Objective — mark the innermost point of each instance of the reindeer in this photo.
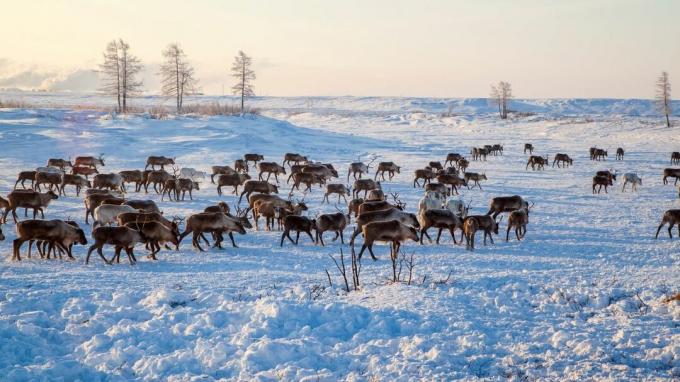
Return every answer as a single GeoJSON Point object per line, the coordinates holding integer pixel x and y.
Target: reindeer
{"type": "Point", "coordinates": [24, 176]}
{"type": "Point", "coordinates": [671, 173]}
{"type": "Point", "coordinates": [672, 217]}
{"type": "Point", "coordinates": [430, 201]}
{"type": "Point", "coordinates": [333, 222]}
{"type": "Point", "coordinates": [479, 153]}
{"type": "Point", "coordinates": [110, 181]}
{"type": "Point", "coordinates": [219, 207]}
{"type": "Point", "coordinates": [607, 173]}
{"type": "Point", "coordinates": [261, 186]}
{"type": "Point", "coordinates": [497, 149]}
{"type": "Point", "coordinates": [599, 154]}
{"type": "Point", "coordinates": [147, 206]}
{"type": "Point", "coordinates": [321, 170]}
{"type": "Point", "coordinates": [537, 161]}
{"type": "Point", "coordinates": [52, 231]}
{"type": "Point", "coordinates": [253, 158]}
{"type": "Point", "coordinates": [289, 158]}
{"type": "Point", "coordinates": [106, 214]}
{"type": "Point", "coordinates": [210, 222]}
{"type": "Point", "coordinates": [233, 180]}
{"type": "Point", "coordinates": [475, 177]}
{"type": "Point", "coordinates": [132, 176]}
{"type": "Point", "coordinates": [441, 190]}
{"type": "Point", "coordinates": [308, 179]}
{"type": "Point", "coordinates": [441, 219]}
{"type": "Point", "coordinates": [633, 179]}
{"type": "Point", "coordinates": [73, 180]}
{"type": "Point", "coordinates": [675, 157]}
{"type": "Point", "coordinates": [95, 200]}
{"type": "Point", "coordinates": [364, 185]}
{"type": "Point", "coordinates": [502, 204]}
{"type": "Point", "coordinates": [272, 208]}
{"type": "Point", "coordinates": [89, 161]}
{"type": "Point", "coordinates": [183, 185]}
{"type": "Point", "coordinates": [529, 147]}
{"type": "Point", "coordinates": [153, 234]}
{"type": "Point", "coordinates": [120, 237]}
{"type": "Point", "coordinates": [389, 167]}
{"type": "Point", "coordinates": [241, 166]}
{"type": "Point", "coordinates": [435, 165]}
{"type": "Point", "coordinates": [457, 207]}
{"type": "Point", "coordinates": [222, 170]}
{"type": "Point", "coordinates": [298, 224]}
{"type": "Point", "coordinates": [170, 188]}
{"type": "Point", "coordinates": [4, 205]}
{"type": "Point", "coordinates": [619, 153]}
{"type": "Point", "coordinates": [84, 170]}
{"type": "Point", "coordinates": [390, 230]}
{"type": "Point", "coordinates": [518, 220]}
{"type": "Point", "coordinates": [599, 180]}
{"type": "Point", "coordinates": [59, 163]}
{"type": "Point", "coordinates": [375, 195]}
{"type": "Point", "coordinates": [28, 199]}
{"type": "Point", "coordinates": [53, 180]}
{"type": "Point", "coordinates": [463, 165]}
{"type": "Point", "coordinates": [384, 215]}
{"type": "Point", "coordinates": [353, 207]}
{"type": "Point", "coordinates": [270, 168]}
{"type": "Point", "coordinates": [336, 188]}
{"type": "Point", "coordinates": [452, 158]}
{"type": "Point", "coordinates": [452, 180]}
{"type": "Point", "coordinates": [157, 177]}
{"type": "Point", "coordinates": [161, 161]}
{"type": "Point", "coordinates": [359, 168]}
{"type": "Point", "coordinates": [371, 206]}
{"type": "Point", "coordinates": [426, 174]}
{"type": "Point", "coordinates": [482, 222]}
{"type": "Point", "coordinates": [562, 158]}
{"type": "Point", "coordinates": [240, 218]}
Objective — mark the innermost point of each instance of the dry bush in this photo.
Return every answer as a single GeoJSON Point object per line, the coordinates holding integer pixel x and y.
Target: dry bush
{"type": "Point", "coordinates": [216, 108]}
{"type": "Point", "coordinates": [158, 112]}
{"type": "Point", "coordinates": [15, 104]}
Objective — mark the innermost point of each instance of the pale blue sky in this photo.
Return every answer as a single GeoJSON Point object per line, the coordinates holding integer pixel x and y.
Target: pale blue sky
{"type": "Point", "coordinates": [575, 48]}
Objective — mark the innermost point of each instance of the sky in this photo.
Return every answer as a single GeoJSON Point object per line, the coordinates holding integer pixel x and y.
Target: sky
{"type": "Point", "coordinates": [447, 48]}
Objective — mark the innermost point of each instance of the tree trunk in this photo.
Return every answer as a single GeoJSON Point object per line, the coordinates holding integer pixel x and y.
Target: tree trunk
{"type": "Point", "coordinates": [668, 121]}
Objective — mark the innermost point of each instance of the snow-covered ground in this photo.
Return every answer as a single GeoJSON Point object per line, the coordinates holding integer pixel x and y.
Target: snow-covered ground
{"type": "Point", "coordinates": [581, 298]}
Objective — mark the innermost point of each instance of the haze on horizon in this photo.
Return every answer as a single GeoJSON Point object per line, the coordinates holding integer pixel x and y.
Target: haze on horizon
{"type": "Point", "coordinates": [438, 48]}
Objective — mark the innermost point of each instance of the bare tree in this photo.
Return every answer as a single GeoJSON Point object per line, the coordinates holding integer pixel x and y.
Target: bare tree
{"type": "Point", "coordinates": [663, 96]}
{"type": "Point", "coordinates": [501, 94]}
{"type": "Point", "coordinates": [177, 75]}
{"type": "Point", "coordinates": [111, 71]}
{"type": "Point", "coordinates": [130, 66]}
{"type": "Point", "coordinates": [244, 76]}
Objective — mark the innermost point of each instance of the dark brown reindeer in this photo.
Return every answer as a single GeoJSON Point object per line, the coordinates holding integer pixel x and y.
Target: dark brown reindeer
{"type": "Point", "coordinates": [89, 161]}
{"type": "Point", "coordinates": [671, 173]}
{"type": "Point", "coordinates": [293, 158]}
{"type": "Point", "coordinates": [24, 176]}
{"type": "Point", "coordinates": [298, 224]}
{"type": "Point", "coordinates": [670, 217]}
{"type": "Point", "coordinates": [132, 176]}
{"type": "Point", "coordinates": [55, 232]}
{"type": "Point", "coordinates": [675, 157]}
{"type": "Point", "coordinates": [74, 180]}
{"type": "Point", "coordinates": [253, 158]}
{"type": "Point", "coordinates": [210, 222]}
{"type": "Point", "coordinates": [333, 222]}
{"type": "Point", "coordinates": [502, 204]}
{"type": "Point", "coordinates": [240, 165]}
{"type": "Point", "coordinates": [452, 180]}
{"type": "Point", "coordinates": [260, 186]}
{"type": "Point", "coordinates": [221, 170]}
{"type": "Point", "coordinates": [386, 167]}
{"type": "Point", "coordinates": [518, 219]}
{"type": "Point", "coordinates": [619, 153]}
{"type": "Point", "coordinates": [484, 223]}
{"type": "Point", "coordinates": [601, 181]}
{"type": "Point", "coordinates": [364, 185]}
{"type": "Point", "coordinates": [52, 180]}
{"type": "Point", "coordinates": [28, 199]}
{"type": "Point", "coordinates": [562, 158]}
{"type": "Point", "coordinates": [441, 219]}
{"type": "Point", "coordinates": [160, 161]}
{"type": "Point", "coordinates": [359, 168]}
{"type": "Point", "coordinates": [233, 180]}
{"type": "Point", "coordinates": [474, 177]}
{"type": "Point", "coordinates": [427, 174]}
{"type": "Point", "coordinates": [528, 147]}
{"type": "Point", "coordinates": [336, 188]}
{"type": "Point", "coordinates": [537, 162]}
{"type": "Point", "coordinates": [453, 158]}
{"type": "Point", "coordinates": [270, 168]}
{"type": "Point", "coordinates": [391, 231]}
{"type": "Point", "coordinates": [121, 238]}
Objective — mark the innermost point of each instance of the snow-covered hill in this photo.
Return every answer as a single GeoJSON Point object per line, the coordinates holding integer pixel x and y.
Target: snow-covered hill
{"type": "Point", "coordinates": [582, 297]}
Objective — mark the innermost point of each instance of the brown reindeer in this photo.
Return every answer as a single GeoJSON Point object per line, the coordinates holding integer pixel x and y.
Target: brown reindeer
{"type": "Point", "coordinates": [289, 158]}
{"type": "Point", "coordinates": [157, 177]}
{"type": "Point", "coordinates": [261, 186]}
{"type": "Point", "coordinates": [441, 219]}
{"type": "Point", "coordinates": [518, 219]}
{"type": "Point", "coordinates": [384, 215]}
{"type": "Point", "coordinates": [502, 204]}
{"type": "Point", "coordinates": [452, 158]}
{"type": "Point", "coordinates": [53, 180]}
{"type": "Point", "coordinates": [221, 170]}
{"type": "Point", "coordinates": [153, 234]}
{"type": "Point", "coordinates": [110, 181]}
{"type": "Point", "coordinates": [132, 176]}
{"type": "Point", "coordinates": [670, 217]}
{"type": "Point", "coordinates": [364, 185]}
{"type": "Point", "coordinates": [253, 158]}
{"type": "Point", "coordinates": [562, 158]}
{"type": "Point", "coordinates": [359, 168]}
{"type": "Point", "coordinates": [59, 163]}
{"type": "Point", "coordinates": [83, 170]}
{"type": "Point", "coordinates": [74, 180]}
{"type": "Point", "coordinates": [89, 161]}
{"type": "Point", "coordinates": [386, 167]}
{"type": "Point", "coordinates": [308, 179]}
{"type": "Point", "coordinates": [537, 162]}
{"type": "Point", "coordinates": [479, 153]}
{"type": "Point", "coordinates": [322, 170]}
{"type": "Point", "coordinates": [241, 166]}
{"type": "Point", "coordinates": [435, 165]}
{"type": "Point", "coordinates": [528, 147]}
{"type": "Point", "coordinates": [474, 177]}
{"type": "Point", "coordinates": [161, 161]}
{"type": "Point", "coordinates": [298, 224]}
{"type": "Point", "coordinates": [240, 217]}
{"type": "Point", "coordinates": [210, 222]}
{"type": "Point", "coordinates": [270, 168]}
{"type": "Point", "coordinates": [463, 165]}
{"type": "Point", "coordinates": [219, 207]}
{"type": "Point", "coordinates": [375, 195]}
{"type": "Point", "coordinates": [122, 238]}
{"type": "Point", "coordinates": [335, 188]}
{"type": "Point", "coordinates": [52, 231]}
{"type": "Point", "coordinates": [601, 181]}
{"type": "Point", "coordinates": [333, 222]}
{"type": "Point", "coordinates": [144, 205]}
{"type": "Point", "coordinates": [24, 176]}
{"type": "Point", "coordinates": [233, 180]}
{"type": "Point", "coordinates": [186, 185]}
{"type": "Point", "coordinates": [619, 153]}
{"type": "Point", "coordinates": [272, 208]}
{"type": "Point", "coordinates": [370, 206]}
{"type": "Point", "coordinates": [484, 223]}
{"type": "Point", "coordinates": [438, 188]}
{"type": "Point", "coordinates": [28, 199]}
{"type": "Point", "coordinates": [599, 154]}
{"type": "Point", "coordinates": [675, 157]}
{"type": "Point", "coordinates": [95, 200]}
{"type": "Point", "coordinates": [671, 173]}
{"type": "Point", "coordinates": [353, 207]}
{"type": "Point", "coordinates": [391, 230]}
{"type": "Point", "coordinates": [452, 180]}
{"type": "Point", "coordinates": [426, 174]}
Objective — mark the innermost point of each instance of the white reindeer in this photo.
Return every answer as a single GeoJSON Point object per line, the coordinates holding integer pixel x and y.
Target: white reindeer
{"type": "Point", "coordinates": [632, 178]}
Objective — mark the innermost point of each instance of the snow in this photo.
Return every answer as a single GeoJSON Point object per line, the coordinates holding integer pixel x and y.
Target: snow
{"type": "Point", "coordinates": [581, 298]}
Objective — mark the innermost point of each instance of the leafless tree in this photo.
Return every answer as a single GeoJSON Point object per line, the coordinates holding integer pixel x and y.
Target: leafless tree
{"type": "Point", "coordinates": [120, 70]}
{"type": "Point", "coordinates": [244, 76]}
{"type": "Point", "coordinates": [663, 96]}
{"type": "Point", "coordinates": [501, 94]}
{"type": "Point", "coordinates": [177, 75]}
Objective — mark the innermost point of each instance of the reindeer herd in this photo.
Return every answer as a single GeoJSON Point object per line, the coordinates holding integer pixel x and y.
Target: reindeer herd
{"type": "Point", "coordinates": [123, 222]}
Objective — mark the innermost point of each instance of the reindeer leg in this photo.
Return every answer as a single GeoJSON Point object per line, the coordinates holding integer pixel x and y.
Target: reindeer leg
{"type": "Point", "coordinates": [439, 234]}
{"type": "Point", "coordinates": [283, 237]}
{"type": "Point", "coordinates": [370, 250]}
{"type": "Point", "coordinates": [297, 238]}
{"type": "Point", "coordinates": [670, 229]}
{"type": "Point", "coordinates": [453, 236]}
